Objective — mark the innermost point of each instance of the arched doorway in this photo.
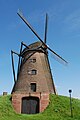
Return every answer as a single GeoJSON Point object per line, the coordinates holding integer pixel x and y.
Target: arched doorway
{"type": "Point", "coordinates": [30, 105]}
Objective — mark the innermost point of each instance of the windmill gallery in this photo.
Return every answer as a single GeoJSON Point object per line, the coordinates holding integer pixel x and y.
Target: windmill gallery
{"type": "Point", "coordinates": [34, 82]}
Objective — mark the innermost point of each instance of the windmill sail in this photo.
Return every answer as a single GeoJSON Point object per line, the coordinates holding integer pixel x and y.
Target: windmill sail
{"type": "Point", "coordinates": [26, 22]}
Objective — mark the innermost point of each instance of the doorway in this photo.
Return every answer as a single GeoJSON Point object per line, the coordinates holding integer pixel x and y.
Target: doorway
{"type": "Point", "coordinates": [30, 105]}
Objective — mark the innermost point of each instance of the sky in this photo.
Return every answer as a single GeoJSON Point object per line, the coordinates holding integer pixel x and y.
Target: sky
{"type": "Point", "coordinates": [63, 37]}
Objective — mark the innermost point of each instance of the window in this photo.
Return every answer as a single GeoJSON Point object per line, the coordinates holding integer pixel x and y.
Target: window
{"type": "Point", "coordinates": [32, 72]}
{"type": "Point", "coordinates": [33, 87]}
{"type": "Point", "coordinates": [33, 60]}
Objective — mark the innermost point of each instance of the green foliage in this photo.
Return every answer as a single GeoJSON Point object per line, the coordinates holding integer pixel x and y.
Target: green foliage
{"type": "Point", "coordinates": [58, 109]}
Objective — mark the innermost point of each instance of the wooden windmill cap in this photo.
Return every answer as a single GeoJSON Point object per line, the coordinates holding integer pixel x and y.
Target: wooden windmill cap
{"type": "Point", "coordinates": [34, 45]}
{"type": "Point", "coordinates": [37, 46]}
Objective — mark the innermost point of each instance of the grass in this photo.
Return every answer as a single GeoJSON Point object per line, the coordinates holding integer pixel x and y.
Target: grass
{"type": "Point", "coordinates": [58, 109]}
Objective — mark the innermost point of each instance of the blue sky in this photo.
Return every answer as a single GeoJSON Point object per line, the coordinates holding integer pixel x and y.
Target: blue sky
{"type": "Point", "coordinates": [63, 37]}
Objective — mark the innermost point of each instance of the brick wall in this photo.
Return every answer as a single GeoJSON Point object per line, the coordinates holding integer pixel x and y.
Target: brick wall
{"type": "Point", "coordinates": [42, 79]}
{"type": "Point", "coordinates": [17, 100]}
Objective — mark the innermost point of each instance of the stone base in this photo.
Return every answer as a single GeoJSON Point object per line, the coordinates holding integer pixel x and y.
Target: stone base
{"type": "Point", "coordinates": [17, 100]}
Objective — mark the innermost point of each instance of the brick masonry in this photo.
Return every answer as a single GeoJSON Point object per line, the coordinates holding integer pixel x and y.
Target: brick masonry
{"type": "Point", "coordinates": [17, 100]}
{"type": "Point", "coordinates": [43, 79]}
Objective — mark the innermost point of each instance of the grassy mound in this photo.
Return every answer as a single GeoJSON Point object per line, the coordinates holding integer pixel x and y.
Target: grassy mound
{"type": "Point", "coordinates": [58, 109]}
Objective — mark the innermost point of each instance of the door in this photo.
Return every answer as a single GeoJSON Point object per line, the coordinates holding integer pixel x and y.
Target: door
{"type": "Point", "coordinates": [30, 105]}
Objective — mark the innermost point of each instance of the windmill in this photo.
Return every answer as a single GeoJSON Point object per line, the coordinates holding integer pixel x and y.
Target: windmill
{"type": "Point", "coordinates": [34, 80]}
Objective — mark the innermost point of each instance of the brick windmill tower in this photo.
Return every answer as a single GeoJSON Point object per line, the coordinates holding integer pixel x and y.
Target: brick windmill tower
{"type": "Point", "coordinates": [30, 94]}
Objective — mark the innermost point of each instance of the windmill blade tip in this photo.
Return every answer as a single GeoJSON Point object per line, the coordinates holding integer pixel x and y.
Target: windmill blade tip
{"type": "Point", "coordinates": [66, 63]}
{"type": "Point", "coordinates": [19, 12]}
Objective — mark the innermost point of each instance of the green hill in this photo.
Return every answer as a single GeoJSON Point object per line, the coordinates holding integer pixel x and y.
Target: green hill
{"type": "Point", "coordinates": [58, 109]}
